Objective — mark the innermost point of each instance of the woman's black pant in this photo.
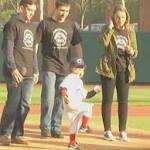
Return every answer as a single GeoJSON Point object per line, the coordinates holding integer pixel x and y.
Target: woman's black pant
{"type": "Point", "coordinates": [122, 89]}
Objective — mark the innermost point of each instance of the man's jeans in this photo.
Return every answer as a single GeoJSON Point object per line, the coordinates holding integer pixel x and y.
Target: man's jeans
{"type": "Point", "coordinates": [16, 107]}
{"type": "Point", "coordinates": [51, 102]}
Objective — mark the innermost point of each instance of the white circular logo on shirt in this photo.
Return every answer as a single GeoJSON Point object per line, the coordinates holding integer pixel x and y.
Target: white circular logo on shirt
{"type": "Point", "coordinates": [28, 38]}
{"type": "Point", "coordinates": [59, 37]}
{"type": "Point", "coordinates": [121, 42]}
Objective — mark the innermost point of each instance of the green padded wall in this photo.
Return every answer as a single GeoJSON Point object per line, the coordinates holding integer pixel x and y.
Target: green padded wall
{"type": "Point", "coordinates": [92, 51]}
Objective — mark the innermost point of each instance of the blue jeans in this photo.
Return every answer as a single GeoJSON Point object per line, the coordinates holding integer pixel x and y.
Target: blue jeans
{"type": "Point", "coordinates": [16, 107]}
{"type": "Point", "coordinates": [51, 102]}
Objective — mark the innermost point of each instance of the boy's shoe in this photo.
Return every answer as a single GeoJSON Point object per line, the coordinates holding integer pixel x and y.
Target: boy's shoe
{"type": "Point", "coordinates": [5, 140]}
{"type": "Point", "coordinates": [123, 136]}
{"type": "Point", "coordinates": [86, 129]}
{"type": "Point", "coordinates": [73, 147]}
{"type": "Point", "coordinates": [109, 136]}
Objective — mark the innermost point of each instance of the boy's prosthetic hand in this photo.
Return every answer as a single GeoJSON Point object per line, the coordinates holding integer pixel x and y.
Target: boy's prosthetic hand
{"type": "Point", "coordinates": [97, 88]}
{"type": "Point", "coordinates": [93, 92]}
{"type": "Point", "coordinates": [66, 99]}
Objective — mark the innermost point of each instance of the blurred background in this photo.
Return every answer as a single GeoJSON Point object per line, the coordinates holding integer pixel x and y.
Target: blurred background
{"type": "Point", "coordinates": [90, 16]}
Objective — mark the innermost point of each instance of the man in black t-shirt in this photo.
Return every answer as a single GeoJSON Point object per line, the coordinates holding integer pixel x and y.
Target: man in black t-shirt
{"type": "Point", "coordinates": [20, 71]}
{"type": "Point", "coordinates": [56, 35]}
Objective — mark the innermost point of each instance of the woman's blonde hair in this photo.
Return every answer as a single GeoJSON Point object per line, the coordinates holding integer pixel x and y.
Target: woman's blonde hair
{"type": "Point", "coordinates": [121, 7]}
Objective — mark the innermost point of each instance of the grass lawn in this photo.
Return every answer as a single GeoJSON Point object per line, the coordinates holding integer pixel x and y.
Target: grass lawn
{"type": "Point", "coordinates": [139, 95]}
{"type": "Point", "coordinates": [134, 122]}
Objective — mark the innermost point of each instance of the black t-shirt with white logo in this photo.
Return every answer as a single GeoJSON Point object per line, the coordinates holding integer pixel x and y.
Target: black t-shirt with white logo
{"type": "Point", "coordinates": [56, 39]}
{"type": "Point", "coordinates": [121, 40]}
{"type": "Point", "coordinates": [22, 37]}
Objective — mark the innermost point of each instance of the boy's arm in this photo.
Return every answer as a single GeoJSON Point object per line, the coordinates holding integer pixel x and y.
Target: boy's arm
{"type": "Point", "coordinates": [93, 92]}
{"type": "Point", "coordinates": [78, 50]}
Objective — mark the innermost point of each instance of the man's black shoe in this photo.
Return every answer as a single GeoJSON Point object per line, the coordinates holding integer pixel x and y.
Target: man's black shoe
{"type": "Point", "coordinates": [45, 133]}
{"type": "Point", "coordinates": [56, 135]}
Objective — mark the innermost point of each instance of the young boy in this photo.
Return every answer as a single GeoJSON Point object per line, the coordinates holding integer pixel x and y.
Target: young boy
{"type": "Point", "coordinates": [73, 93]}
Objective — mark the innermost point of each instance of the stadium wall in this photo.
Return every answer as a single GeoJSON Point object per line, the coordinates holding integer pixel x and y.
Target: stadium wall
{"type": "Point", "coordinates": [92, 51]}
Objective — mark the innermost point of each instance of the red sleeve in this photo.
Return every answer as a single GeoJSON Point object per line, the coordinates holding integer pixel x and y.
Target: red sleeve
{"type": "Point", "coordinates": [63, 91]}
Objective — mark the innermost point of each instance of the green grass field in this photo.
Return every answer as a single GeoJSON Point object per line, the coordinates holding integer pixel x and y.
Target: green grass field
{"type": "Point", "coordinates": [136, 122]}
{"type": "Point", "coordinates": [139, 95]}
{"type": "Point", "coordinates": [137, 126]}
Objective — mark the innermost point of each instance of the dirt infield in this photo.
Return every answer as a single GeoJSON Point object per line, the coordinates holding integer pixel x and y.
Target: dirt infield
{"type": "Point", "coordinates": [94, 141]}
{"type": "Point", "coordinates": [138, 140]}
{"type": "Point", "coordinates": [133, 110]}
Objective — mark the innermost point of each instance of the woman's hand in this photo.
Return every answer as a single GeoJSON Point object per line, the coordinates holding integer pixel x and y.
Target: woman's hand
{"type": "Point", "coordinates": [111, 24]}
{"type": "Point", "coordinates": [129, 50]}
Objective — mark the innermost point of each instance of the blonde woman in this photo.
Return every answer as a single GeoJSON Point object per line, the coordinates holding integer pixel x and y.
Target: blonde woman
{"type": "Point", "coordinates": [116, 68]}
